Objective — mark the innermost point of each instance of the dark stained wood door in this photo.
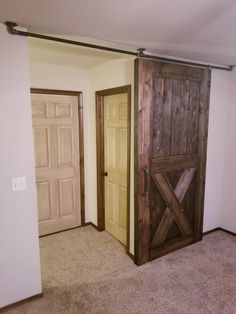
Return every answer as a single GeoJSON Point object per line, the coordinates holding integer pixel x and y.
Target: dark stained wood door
{"type": "Point", "coordinates": [171, 138]}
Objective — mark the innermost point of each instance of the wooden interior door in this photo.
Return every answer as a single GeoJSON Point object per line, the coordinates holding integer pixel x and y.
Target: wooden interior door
{"type": "Point", "coordinates": [56, 140]}
{"type": "Point", "coordinates": [116, 156]}
{"type": "Point", "coordinates": [171, 139]}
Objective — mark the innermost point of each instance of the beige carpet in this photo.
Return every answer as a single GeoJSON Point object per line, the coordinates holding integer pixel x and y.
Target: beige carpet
{"type": "Point", "coordinates": [85, 271]}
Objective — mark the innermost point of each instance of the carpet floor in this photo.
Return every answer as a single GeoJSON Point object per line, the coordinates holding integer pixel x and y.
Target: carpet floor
{"type": "Point", "coordinates": [85, 271]}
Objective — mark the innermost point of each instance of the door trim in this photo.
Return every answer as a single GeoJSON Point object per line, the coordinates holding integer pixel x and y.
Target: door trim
{"type": "Point", "coordinates": [81, 137]}
{"type": "Point", "coordinates": [100, 155]}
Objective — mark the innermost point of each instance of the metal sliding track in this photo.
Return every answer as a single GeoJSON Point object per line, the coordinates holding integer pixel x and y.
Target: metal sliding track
{"type": "Point", "coordinates": [11, 28]}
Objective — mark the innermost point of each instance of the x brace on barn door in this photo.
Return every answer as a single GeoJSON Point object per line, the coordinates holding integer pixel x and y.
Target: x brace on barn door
{"type": "Point", "coordinates": [11, 28]}
{"type": "Point", "coordinates": [173, 199]}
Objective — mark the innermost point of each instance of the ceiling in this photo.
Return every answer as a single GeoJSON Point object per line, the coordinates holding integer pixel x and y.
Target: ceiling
{"type": "Point", "coordinates": [201, 30]}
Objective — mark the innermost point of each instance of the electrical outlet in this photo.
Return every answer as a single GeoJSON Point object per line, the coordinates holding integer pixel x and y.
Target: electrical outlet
{"type": "Point", "coordinates": [18, 184]}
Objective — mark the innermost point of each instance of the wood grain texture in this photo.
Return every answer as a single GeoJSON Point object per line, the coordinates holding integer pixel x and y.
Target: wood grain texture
{"type": "Point", "coordinates": [172, 202]}
{"type": "Point", "coordinates": [81, 137]}
{"type": "Point", "coordinates": [184, 97]}
{"type": "Point", "coordinates": [100, 154]}
{"type": "Point", "coordinates": [57, 161]}
{"type": "Point", "coordinates": [176, 123]}
{"type": "Point", "coordinates": [171, 126]}
{"type": "Point", "coordinates": [170, 247]}
{"type": "Point", "coordinates": [142, 146]}
{"type": "Point", "coordinates": [168, 217]}
{"type": "Point", "coordinates": [115, 161]}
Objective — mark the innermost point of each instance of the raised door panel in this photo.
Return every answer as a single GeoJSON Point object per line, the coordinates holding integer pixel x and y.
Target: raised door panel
{"type": "Point", "coordinates": [111, 109]}
{"type": "Point", "coordinates": [123, 109]}
{"type": "Point", "coordinates": [111, 207]}
{"type": "Point", "coordinates": [39, 110]}
{"type": "Point", "coordinates": [67, 197]}
{"type": "Point", "coordinates": [122, 214]}
{"type": "Point", "coordinates": [64, 110]}
{"type": "Point", "coordinates": [123, 151]}
{"type": "Point", "coordinates": [42, 149]}
{"type": "Point", "coordinates": [122, 205]}
{"type": "Point", "coordinates": [45, 203]}
{"type": "Point", "coordinates": [111, 148]}
{"type": "Point", "coordinates": [112, 202]}
{"type": "Point", "coordinates": [65, 146]}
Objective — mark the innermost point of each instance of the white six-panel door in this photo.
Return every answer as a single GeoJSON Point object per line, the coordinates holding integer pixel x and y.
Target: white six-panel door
{"type": "Point", "coordinates": [56, 139]}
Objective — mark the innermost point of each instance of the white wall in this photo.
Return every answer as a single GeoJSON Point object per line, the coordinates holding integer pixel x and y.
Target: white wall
{"type": "Point", "coordinates": [220, 196]}
{"type": "Point", "coordinates": [108, 75]}
{"type": "Point", "coordinates": [217, 135]}
{"type": "Point", "coordinates": [19, 246]}
{"type": "Point", "coordinates": [228, 204]}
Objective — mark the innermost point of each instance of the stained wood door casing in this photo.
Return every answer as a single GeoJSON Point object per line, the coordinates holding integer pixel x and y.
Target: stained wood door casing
{"type": "Point", "coordinates": [56, 139]}
{"type": "Point", "coordinates": [116, 153]}
{"type": "Point", "coordinates": [171, 138]}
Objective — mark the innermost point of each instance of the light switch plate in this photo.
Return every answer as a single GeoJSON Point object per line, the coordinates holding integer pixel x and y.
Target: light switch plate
{"type": "Point", "coordinates": [18, 184]}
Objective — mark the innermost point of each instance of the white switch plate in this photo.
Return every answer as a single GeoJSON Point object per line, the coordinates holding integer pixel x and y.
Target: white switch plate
{"type": "Point", "coordinates": [18, 184]}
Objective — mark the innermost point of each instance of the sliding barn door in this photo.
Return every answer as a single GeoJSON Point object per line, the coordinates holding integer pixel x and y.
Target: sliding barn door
{"type": "Point", "coordinates": [171, 138]}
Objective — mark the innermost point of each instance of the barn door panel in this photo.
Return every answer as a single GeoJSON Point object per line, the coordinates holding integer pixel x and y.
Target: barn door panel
{"type": "Point", "coordinates": [171, 137]}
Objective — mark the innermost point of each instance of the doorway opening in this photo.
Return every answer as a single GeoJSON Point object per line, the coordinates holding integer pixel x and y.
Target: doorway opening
{"type": "Point", "coordinates": [57, 118]}
{"type": "Point", "coordinates": [113, 119]}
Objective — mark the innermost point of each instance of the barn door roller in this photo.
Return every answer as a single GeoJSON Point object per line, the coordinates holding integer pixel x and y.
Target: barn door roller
{"type": "Point", "coordinates": [11, 28]}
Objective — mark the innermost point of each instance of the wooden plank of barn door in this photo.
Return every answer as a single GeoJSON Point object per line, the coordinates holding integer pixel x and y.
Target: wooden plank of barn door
{"type": "Point", "coordinates": [184, 116]}
{"type": "Point", "coordinates": [142, 143]}
{"type": "Point", "coordinates": [162, 90]}
{"type": "Point", "coordinates": [175, 116]}
{"type": "Point", "coordinates": [172, 202]}
{"type": "Point", "coordinates": [168, 216]}
{"type": "Point", "coordinates": [194, 101]}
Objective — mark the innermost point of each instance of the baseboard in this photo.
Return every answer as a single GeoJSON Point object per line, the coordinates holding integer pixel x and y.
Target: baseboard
{"type": "Point", "coordinates": [16, 304]}
{"type": "Point", "coordinates": [229, 232]}
{"type": "Point", "coordinates": [219, 229]}
{"type": "Point", "coordinates": [211, 231]}
{"type": "Point", "coordinates": [84, 225]}
{"type": "Point", "coordinates": [91, 224]}
{"type": "Point", "coordinates": [69, 229]}
{"type": "Point", "coordinates": [130, 255]}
